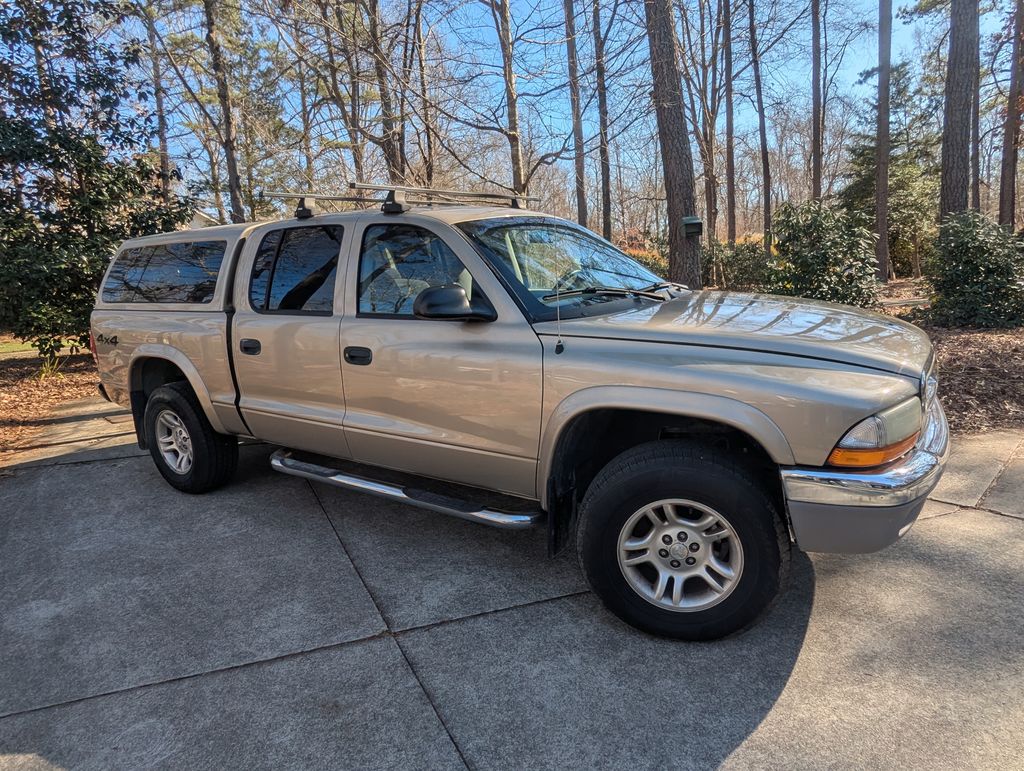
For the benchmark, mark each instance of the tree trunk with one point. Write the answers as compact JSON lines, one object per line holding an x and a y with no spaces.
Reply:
{"x":730,"y":130}
{"x":158,"y":97}
{"x":391,"y":140}
{"x":218,"y":197}
{"x":762,"y":130}
{"x":428,"y":124}
{"x":976,"y":144}
{"x":577,"y":115}
{"x":882,"y":139}
{"x":1011,"y":126}
{"x":603,"y":128}
{"x":674,"y":139}
{"x":961,"y":74}
{"x":816,"y":112}
{"x":227,"y":127}
{"x":349,"y":109}
{"x":502,"y":14}
{"x":307,"y":146}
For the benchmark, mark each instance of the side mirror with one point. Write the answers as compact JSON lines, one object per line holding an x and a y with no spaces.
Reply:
{"x":450,"y":303}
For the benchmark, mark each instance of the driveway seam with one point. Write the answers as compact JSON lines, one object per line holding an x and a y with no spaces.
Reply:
{"x":42,"y":463}
{"x":1002,"y":470}
{"x":412,"y":670}
{"x":387,"y":633}
{"x":491,"y":612}
{"x":430,"y":700}
{"x":194,"y":675}
{"x":352,"y":562}
{"x":963,"y":507}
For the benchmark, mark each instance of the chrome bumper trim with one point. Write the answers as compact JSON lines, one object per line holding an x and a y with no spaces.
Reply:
{"x":907,"y":479}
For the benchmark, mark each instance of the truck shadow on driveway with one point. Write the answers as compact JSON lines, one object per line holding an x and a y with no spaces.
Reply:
{"x":275,"y":623}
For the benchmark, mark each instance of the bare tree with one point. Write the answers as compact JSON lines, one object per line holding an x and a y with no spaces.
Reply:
{"x":390,"y":140}
{"x":156,"y":69}
{"x":579,"y":158}
{"x":730,"y":129}
{"x":962,"y":66}
{"x":1011,"y":125}
{"x":762,"y":131}
{"x":227,"y":122}
{"x":882,"y":138}
{"x":602,"y":117}
{"x":673,"y":137}
{"x":501,"y":14}
{"x":816,"y":108}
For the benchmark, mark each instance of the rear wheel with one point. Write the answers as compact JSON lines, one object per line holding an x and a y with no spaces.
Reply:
{"x":188,"y":453}
{"x":682,"y":542}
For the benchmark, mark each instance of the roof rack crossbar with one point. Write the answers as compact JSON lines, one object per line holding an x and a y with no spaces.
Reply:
{"x":515,"y":199}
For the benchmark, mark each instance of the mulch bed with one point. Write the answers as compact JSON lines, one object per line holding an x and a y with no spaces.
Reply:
{"x":981,"y":371}
{"x":981,"y":377}
{"x":26,"y":398}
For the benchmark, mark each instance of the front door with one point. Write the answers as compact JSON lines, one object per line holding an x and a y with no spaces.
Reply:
{"x":285,"y":337}
{"x":453,"y":400}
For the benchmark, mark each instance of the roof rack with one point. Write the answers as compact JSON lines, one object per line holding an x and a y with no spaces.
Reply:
{"x":305,"y":209}
{"x":398,"y":200}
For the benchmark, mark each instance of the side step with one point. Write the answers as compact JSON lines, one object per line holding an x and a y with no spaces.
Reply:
{"x":285,"y":461}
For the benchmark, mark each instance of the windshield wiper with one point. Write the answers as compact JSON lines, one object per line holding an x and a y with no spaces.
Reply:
{"x":659,"y":285}
{"x":617,"y":291}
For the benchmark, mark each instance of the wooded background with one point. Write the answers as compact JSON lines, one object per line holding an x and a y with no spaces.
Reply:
{"x":626,"y":115}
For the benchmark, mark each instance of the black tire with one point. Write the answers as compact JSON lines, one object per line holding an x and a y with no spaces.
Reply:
{"x":214,"y":456}
{"x":683,"y":470}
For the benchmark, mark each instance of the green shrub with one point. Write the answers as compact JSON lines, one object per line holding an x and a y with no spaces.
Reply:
{"x":824,"y":254}
{"x":652,"y":259}
{"x":742,"y":268}
{"x":977,"y":274}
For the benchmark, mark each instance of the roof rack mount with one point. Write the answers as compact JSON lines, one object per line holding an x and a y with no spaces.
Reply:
{"x":305,"y":209}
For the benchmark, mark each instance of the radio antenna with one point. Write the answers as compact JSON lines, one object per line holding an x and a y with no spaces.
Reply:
{"x":559,"y":345}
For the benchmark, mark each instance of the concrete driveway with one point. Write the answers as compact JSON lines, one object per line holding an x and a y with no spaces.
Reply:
{"x":277,"y":623}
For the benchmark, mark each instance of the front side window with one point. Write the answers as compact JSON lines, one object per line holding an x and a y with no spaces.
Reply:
{"x":184,"y":272}
{"x":295,"y":269}
{"x":543,"y":259}
{"x":397,"y":262}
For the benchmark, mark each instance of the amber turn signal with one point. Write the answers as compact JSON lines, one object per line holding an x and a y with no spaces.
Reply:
{"x":873,"y":457}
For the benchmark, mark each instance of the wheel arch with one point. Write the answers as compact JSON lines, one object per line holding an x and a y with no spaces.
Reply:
{"x":575,"y":443}
{"x":155,"y":365}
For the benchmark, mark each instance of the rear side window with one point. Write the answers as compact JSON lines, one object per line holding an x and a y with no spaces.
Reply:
{"x":184,"y":272}
{"x":295,"y":269}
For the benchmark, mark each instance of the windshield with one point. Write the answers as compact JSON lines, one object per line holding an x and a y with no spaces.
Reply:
{"x":542,"y":259}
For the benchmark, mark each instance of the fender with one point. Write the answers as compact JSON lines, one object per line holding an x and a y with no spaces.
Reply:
{"x":721,"y":409}
{"x":182,"y":362}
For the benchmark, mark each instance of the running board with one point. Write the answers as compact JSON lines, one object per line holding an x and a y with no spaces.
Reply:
{"x":285,"y":462}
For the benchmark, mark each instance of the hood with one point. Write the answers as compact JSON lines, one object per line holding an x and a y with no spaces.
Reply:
{"x":773,"y":324}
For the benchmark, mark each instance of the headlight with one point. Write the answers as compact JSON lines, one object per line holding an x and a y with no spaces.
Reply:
{"x":881,"y":438}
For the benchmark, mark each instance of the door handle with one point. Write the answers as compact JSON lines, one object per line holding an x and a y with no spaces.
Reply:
{"x":249,"y":346}
{"x":357,"y":355}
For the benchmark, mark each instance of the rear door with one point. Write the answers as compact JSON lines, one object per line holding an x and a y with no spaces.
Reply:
{"x":286,"y":335}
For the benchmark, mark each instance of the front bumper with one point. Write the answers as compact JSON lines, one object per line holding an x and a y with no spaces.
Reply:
{"x":853,"y":512}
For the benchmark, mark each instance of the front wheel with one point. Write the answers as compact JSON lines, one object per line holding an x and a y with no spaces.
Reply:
{"x":188,"y":453}
{"x":681,"y":542}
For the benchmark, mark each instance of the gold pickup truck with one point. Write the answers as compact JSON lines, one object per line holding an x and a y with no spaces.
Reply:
{"x":511,"y":368}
